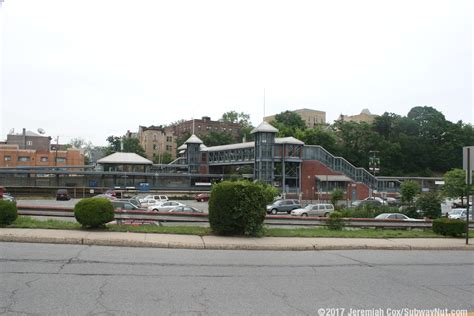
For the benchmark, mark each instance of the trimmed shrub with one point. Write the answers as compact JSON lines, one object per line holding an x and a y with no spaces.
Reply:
{"x":449,"y":227}
{"x":94,"y":212}
{"x":238,"y":208}
{"x":8,"y":212}
{"x":335,"y":221}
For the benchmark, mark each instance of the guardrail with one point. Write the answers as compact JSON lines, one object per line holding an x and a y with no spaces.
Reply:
{"x":272,"y":220}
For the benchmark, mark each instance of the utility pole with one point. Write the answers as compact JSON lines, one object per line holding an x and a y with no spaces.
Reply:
{"x":374,"y":165}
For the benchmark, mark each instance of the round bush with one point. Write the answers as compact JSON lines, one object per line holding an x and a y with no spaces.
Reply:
{"x":238,"y":208}
{"x":94,"y":212}
{"x":8,"y":212}
{"x":449,"y":227}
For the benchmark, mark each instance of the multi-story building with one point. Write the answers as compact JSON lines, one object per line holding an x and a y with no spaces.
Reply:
{"x":31,"y":149}
{"x":312,"y":118}
{"x":11,"y":156}
{"x":29,"y":140}
{"x":364,"y":116}
{"x":205,"y":125}
{"x":156,"y":141}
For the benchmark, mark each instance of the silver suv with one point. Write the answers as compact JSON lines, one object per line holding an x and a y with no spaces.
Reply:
{"x":281,"y":206}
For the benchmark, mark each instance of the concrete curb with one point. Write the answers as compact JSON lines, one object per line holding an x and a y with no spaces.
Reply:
{"x":227,"y":243}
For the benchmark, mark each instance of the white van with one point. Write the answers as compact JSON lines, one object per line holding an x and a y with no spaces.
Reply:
{"x":158,"y":198}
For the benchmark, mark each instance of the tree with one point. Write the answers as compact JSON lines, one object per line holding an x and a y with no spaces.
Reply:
{"x":455,"y":184}
{"x":408,"y":190}
{"x":86,"y":148}
{"x":336,"y":195}
{"x":430,"y":204}
{"x":322,"y":136}
{"x":243,"y":120}
{"x":214,"y":138}
{"x":164,"y":158}
{"x":130,"y":145}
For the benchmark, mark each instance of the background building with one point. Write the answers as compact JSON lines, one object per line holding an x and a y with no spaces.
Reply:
{"x":11,"y":156}
{"x":157,"y":141}
{"x":310,"y":117}
{"x":364,"y":116}
{"x":29,"y":140}
{"x":204,"y":126}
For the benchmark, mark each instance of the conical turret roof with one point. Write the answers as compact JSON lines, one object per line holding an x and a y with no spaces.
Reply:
{"x":265,"y":128}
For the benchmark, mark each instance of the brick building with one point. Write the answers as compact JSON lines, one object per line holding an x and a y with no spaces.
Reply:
{"x":12,"y":156}
{"x":205,"y":125}
{"x":156,"y":141}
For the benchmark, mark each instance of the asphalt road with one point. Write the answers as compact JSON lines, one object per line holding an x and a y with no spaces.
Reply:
{"x":80,"y":280}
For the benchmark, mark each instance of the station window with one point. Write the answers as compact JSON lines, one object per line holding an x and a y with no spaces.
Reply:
{"x":44,"y":159}
{"x":60,"y":159}
{"x":8,"y":158}
{"x":23,"y":158}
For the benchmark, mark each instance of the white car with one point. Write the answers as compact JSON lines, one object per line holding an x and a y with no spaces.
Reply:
{"x":314,"y":210}
{"x":161,"y":198}
{"x":459,"y":213}
{"x":165,"y":206}
{"x":398,"y":216}
{"x":150,"y":202}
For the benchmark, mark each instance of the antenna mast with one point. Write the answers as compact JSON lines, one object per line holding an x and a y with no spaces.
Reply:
{"x":264,"y":103}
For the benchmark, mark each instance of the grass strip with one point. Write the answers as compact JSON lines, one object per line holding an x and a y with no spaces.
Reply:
{"x":28,"y":222}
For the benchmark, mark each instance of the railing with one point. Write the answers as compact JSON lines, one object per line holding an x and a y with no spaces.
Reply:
{"x":314,"y":152}
{"x":140,"y":217}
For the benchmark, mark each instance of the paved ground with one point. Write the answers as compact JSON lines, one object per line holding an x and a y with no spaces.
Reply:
{"x":230,"y":243}
{"x":44,"y":279}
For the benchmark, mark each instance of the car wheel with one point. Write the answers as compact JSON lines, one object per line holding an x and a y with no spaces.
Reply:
{"x":274,"y":211}
{"x":304,"y":215}
{"x":155,"y":210}
{"x":326,"y":214}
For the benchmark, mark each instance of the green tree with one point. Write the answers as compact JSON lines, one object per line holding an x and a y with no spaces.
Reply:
{"x":455,"y":184}
{"x":408,"y":190}
{"x":86,"y":148}
{"x":130,"y":145}
{"x":336,"y":195}
{"x":430,"y":204}
{"x":319,"y":135}
{"x":163,"y":158}
{"x":214,"y":138}
{"x":182,"y":139}
{"x":243,"y":120}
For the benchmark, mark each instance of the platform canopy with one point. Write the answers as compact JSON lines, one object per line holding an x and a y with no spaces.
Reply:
{"x":125,"y":159}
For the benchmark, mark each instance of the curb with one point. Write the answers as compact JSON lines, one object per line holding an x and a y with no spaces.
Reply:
{"x":217,"y":246}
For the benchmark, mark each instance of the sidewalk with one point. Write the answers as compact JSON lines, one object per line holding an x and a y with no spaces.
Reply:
{"x":227,"y":243}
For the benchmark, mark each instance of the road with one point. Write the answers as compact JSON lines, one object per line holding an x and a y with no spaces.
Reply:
{"x":80,"y":280}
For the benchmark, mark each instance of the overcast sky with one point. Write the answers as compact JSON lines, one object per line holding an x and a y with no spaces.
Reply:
{"x":94,"y":68}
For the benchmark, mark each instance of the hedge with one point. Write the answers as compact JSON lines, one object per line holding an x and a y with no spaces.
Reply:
{"x":8,"y":212}
{"x":239,"y":207}
{"x":94,"y":212}
{"x":449,"y":227}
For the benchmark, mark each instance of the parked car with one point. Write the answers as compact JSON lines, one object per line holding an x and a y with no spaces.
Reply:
{"x":8,"y":197}
{"x":126,"y":205}
{"x":459,"y":213}
{"x":398,"y":216}
{"x":202,"y":197}
{"x":62,"y":195}
{"x":150,"y":202}
{"x":165,"y":206}
{"x":185,"y":209}
{"x":281,"y":206}
{"x":370,"y":203}
{"x":134,"y":201}
{"x":314,"y":210}
{"x":105,"y":196}
{"x":157,"y":197}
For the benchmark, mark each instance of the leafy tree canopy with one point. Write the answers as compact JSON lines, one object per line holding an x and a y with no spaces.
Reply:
{"x":130,"y":145}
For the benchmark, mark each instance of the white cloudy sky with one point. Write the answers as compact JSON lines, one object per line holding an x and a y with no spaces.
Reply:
{"x":94,"y":68}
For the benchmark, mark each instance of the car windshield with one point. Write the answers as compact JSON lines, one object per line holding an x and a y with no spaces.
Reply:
{"x":308,"y":207}
{"x":456,"y":212}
